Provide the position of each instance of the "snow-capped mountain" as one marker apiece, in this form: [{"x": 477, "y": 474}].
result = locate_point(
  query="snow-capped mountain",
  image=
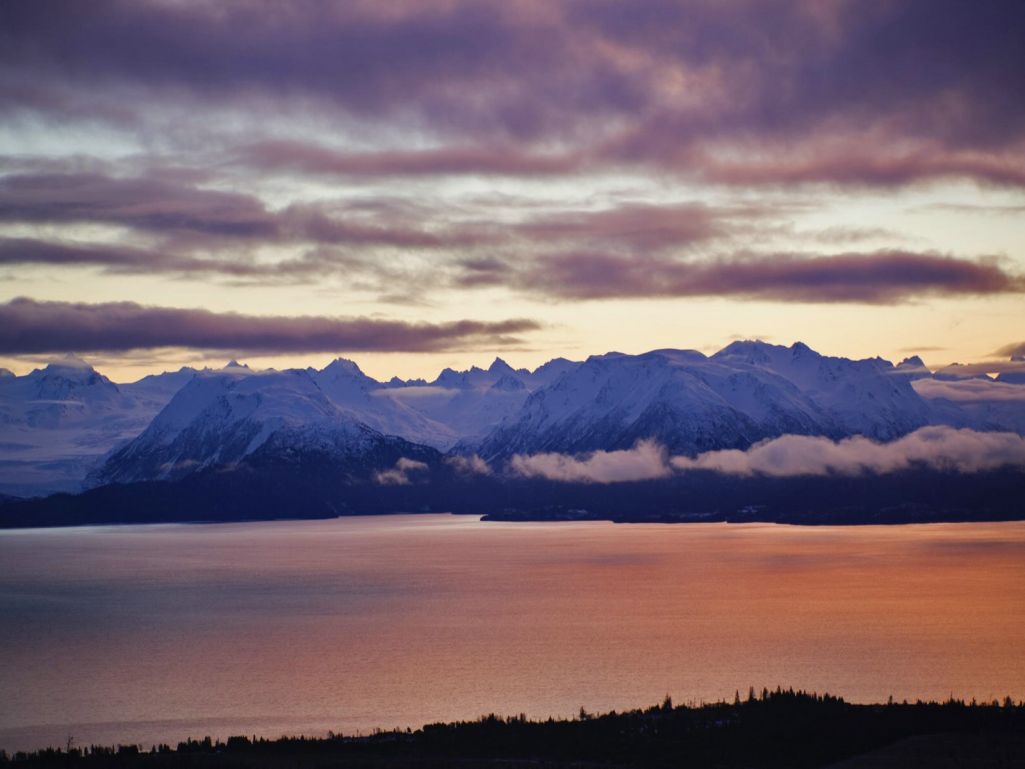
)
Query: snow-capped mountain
[
  {"x": 690, "y": 403},
  {"x": 861, "y": 397},
  {"x": 964, "y": 396},
  {"x": 222, "y": 418},
  {"x": 156, "y": 390},
  {"x": 59, "y": 421},
  {"x": 367, "y": 400},
  {"x": 472, "y": 403}
]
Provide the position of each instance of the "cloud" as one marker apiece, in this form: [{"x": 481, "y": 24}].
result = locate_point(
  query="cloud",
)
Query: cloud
[
  {"x": 1016, "y": 351},
  {"x": 859, "y": 164},
  {"x": 172, "y": 208},
  {"x": 645, "y": 461},
  {"x": 28, "y": 326},
  {"x": 970, "y": 390},
  {"x": 876, "y": 277},
  {"x": 401, "y": 474},
  {"x": 939, "y": 448},
  {"x": 147, "y": 203},
  {"x": 471, "y": 465},
  {"x": 316, "y": 160},
  {"x": 125, "y": 259},
  {"x": 647, "y": 228},
  {"x": 727, "y": 91}
]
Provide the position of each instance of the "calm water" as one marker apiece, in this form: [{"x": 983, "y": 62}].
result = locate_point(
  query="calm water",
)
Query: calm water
[{"x": 148, "y": 634}]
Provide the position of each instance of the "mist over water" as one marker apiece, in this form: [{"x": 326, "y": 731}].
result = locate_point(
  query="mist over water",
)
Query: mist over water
[{"x": 155, "y": 633}]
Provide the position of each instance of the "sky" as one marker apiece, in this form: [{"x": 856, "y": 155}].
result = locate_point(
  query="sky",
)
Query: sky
[{"x": 434, "y": 183}]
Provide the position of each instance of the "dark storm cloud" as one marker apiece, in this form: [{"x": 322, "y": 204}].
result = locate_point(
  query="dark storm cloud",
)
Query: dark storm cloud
[
  {"x": 28, "y": 326},
  {"x": 915, "y": 89},
  {"x": 877, "y": 277}
]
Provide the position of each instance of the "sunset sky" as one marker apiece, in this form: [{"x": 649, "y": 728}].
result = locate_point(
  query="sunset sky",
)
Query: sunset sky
[{"x": 432, "y": 183}]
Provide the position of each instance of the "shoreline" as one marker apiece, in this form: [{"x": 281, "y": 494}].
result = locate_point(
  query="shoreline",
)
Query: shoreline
[
  {"x": 764, "y": 728},
  {"x": 845, "y": 519}
]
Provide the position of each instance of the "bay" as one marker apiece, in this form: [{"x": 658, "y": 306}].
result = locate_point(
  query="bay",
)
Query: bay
[{"x": 149, "y": 634}]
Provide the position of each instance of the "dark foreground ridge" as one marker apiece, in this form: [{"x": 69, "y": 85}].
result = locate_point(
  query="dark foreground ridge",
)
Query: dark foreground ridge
[
  {"x": 772, "y": 729},
  {"x": 253, "y": 492}
]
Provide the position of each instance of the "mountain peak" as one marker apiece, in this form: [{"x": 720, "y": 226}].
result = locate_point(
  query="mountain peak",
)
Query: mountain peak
[
  {"x": 235, "y": 364},
  {"x": 449, "y": 377},
  {"x": 913, "y": 367},
  {"x": 753, "y": 350},
  {"x": 677, "y": 356},
  {"x": 553, "y": 363},
  {"x": 499, "y": 366},
  {"x": 344, "y": 366},
  {"x": 68, "y": 365}
]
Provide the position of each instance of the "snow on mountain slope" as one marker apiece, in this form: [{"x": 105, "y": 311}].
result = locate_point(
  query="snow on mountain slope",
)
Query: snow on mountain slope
[
  {"x": 976, "y": 403},
  {"x": 474, "y": 402},
  {"x": 691, "y": 403},
  {"x": 156, "y": 390},
  {"x": 58, "y": 422},
  {"x": 367, "y": 401},
  {"x": 863, "y": 397},
  {"x": 222, "y": 418},
  {"x": 962, "y": 396}
]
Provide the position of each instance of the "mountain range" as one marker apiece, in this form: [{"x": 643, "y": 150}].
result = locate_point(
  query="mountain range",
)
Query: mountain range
[{"x": 67, "y": 427}]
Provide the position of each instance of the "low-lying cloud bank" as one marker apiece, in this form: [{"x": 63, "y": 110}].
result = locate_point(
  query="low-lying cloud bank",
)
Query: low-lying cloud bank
[
  {"x": 937, "y": 448},
  {"x": 645, "y": 461},
  {"x": 402, "y": 473},
  {"x": 969, "y": 390}
]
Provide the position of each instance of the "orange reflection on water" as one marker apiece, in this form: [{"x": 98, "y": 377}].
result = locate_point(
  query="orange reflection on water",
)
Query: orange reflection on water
[{"x": 154, "y": 633}]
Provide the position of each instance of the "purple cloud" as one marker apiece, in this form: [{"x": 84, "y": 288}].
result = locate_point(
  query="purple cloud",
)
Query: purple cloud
[
  {"x": 507, "y": 87},
  {"x": 877, "y": 277},
  {"x": 315, "y": 160},
  {"x": 28, "y": 326},
  {"x": 172, "y": 208},
  {"x": 647, "y": 228}
]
